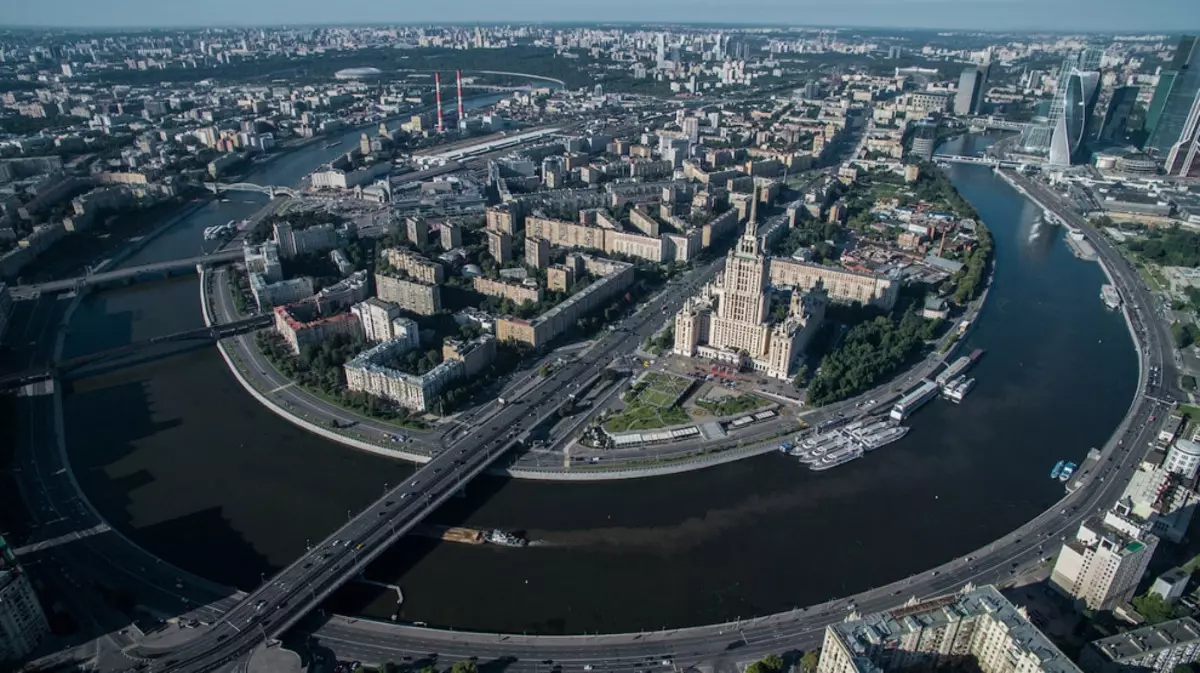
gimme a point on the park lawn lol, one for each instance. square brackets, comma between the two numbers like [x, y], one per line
[641, 417]
[732, 405]
[1190, 412]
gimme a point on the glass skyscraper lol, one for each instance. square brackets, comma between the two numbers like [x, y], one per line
[1174, 114]
[1038, 136]
[1070, 128]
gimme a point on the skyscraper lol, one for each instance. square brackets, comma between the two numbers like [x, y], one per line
[1039, 135]
[1116, 115]
[969, 84]
[1070, 128]
[1174, 98]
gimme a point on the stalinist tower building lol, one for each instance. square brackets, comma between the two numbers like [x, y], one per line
[729, 320]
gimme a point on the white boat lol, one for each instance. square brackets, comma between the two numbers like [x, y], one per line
[956, 391]
[821, 451]
[837, 458]
[913, 400]
[883, 438]
[874, 427]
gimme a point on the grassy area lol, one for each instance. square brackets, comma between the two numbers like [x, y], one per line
[1190, 412]
[660, 390]
[638, 416]
[731, 405]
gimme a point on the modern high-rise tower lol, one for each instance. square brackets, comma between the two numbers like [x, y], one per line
[966, 101]
[1071, 126]
[1039, 135]
[1174, 98]
[1116, 115]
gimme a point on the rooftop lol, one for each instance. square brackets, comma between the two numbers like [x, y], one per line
[1147, 639]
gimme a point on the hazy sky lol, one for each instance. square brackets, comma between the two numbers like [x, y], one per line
[1086, 15]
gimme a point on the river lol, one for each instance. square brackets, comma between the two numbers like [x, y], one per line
[175, 454]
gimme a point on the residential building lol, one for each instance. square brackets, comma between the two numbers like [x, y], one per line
[924, 140]
[504, 218]
[416, 229]
[419, 298]
[514, 292]
[1162, 498]
[841, 284]
[416, 266]
[1101, 567]
[268, 295]
[451, 236]
[1183, 458]
[729, 321]
[537, 252]
[370, 373]
[376, 316]
[1172, 584]
[1151, 649]
[22, 623]
[977, 624]
[559, 278]
[614, 276]
[499, 246]
[6, 303]
[302, 324]
[293, 242]
[343, 294]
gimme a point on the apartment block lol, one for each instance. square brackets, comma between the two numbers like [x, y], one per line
[376, 316]
[301, 324]
[499, 246]
[537, 253]
[22, 623]
[416, 230]
[615, 277]
[293, 242]
[370, 372]
[451, 236]
[504, 219]
[842, 285]
[417, 267]
[418, 298]
[979, 625]
[1101, 567]
[1150, 649]
[635, 245]
[559, 277]
[512, 291]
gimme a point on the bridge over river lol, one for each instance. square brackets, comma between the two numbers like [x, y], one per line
[126, 275]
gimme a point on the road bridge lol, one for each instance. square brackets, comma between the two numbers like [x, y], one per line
[270, 190]
[211, 334]
[128, 274]
[993, 124]
[978, 161]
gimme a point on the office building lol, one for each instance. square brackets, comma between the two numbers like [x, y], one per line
[975, 629]
[970, 91]
[6, 302]
[1039, 134]
[1174, 112]
[1071, 126]
[924, 140]
[1101, 567]
[738, 331]
[419, 298]
[499, 246]
[1116, 116]
[22, 622]
[1150, 649]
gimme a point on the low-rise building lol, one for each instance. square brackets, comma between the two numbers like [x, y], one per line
[301, 324]
[1163, 499]
[978, 625]
[1151, 649]
[419, 298]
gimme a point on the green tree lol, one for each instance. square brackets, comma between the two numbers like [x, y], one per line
[772, 663]
[464, 667]
[808, 662]
[1154, 608]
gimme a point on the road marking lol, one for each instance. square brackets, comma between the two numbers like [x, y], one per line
[283, 387]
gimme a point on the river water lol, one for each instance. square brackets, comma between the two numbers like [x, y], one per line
[175, 454]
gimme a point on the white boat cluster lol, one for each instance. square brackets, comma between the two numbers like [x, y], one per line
[842, 445]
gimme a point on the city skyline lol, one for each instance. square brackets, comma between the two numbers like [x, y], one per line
[1170, 16]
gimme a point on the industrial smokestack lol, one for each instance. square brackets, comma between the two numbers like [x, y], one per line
[461, 117]
[437, 83]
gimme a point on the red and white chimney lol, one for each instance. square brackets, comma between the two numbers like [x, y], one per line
[461, 117]
[437, 83]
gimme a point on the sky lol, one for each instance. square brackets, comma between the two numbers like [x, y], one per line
[996, 15]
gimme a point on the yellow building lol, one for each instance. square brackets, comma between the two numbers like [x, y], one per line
[411, 296]
[416, 266]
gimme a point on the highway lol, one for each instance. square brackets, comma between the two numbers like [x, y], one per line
[294, 591]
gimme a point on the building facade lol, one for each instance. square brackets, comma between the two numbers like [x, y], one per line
[499, 246]
[1101, 567]
[842, 285]
[293, 242]
[301, 324]
[513, 292]
[370, 372]
[22, 623]
[1071, 126]
[1174, 111]
[978, 624]
[376, 316]
[615, 276]
[417, 267]
[1158, 649]
[418, 298]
